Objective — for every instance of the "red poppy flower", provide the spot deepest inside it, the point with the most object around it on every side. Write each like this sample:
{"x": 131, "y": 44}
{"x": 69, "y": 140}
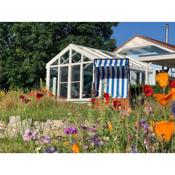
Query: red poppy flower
{"x": 172, "y": 83}
{"x": 148, "y": 90}
{"x": 24, "y": 99}
{"x": 93, "y": 100}
{"x": 106, "y": 97}
{"x": 38, "y": 95}
{"x": 116, "y": 104}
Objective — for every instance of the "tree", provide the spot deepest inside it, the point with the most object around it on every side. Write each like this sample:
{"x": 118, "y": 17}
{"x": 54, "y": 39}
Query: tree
{"x": 25, "y": 48}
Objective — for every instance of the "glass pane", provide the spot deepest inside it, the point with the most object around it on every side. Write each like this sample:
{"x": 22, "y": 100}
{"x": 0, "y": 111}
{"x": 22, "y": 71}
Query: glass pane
{"x": 55, "y": 62}
{"x": 146, "y": 50}
{"x": 64, "y": 58}
{"x": 53, "y": 79}
{"x": 76, "y": 57}
{"x": 64, "y": 74}
{"x": 75, "y": 90}
{"x": 63, "y": 90}
{"x": 87, "y": 77}
{"x": 75, "y": 73}
{"x": 86, "y": 59}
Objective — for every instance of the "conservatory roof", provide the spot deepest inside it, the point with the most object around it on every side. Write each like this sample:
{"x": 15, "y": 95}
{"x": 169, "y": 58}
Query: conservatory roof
{"x": 93, "y": 53}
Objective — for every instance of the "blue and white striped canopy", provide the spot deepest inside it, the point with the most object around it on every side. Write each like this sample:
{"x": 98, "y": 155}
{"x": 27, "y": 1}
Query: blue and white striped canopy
{"x": 111, "y": 76}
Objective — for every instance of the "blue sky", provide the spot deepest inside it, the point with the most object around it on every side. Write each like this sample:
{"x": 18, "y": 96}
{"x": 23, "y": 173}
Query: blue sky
{"x": 126, "y": 30}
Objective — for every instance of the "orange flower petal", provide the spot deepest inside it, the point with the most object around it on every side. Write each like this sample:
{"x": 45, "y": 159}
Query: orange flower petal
{"x": 75, "y": 148}
{"x": 164, "y": 99}
{"x": 162, "y": 79}
{"x": 164, "y": 130}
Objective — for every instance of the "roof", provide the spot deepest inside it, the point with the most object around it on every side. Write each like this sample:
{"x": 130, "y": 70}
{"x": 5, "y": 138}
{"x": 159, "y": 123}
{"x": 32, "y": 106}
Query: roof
{"x": 161, "y": 43}
{"x": 162, "y": 60}
{"x": 169, "y": 46}
{"x": 96, "y": 53}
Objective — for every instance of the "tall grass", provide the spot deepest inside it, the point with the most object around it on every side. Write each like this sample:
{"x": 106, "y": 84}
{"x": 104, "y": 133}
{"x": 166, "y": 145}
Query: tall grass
{"x": 126, "y": 136}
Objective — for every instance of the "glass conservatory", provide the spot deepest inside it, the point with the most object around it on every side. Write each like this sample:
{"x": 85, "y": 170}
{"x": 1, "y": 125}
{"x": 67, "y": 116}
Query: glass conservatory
{"x": 70, "y": 73}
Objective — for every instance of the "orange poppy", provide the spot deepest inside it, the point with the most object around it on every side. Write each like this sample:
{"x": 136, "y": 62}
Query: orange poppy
{"x": 173, "y": 93}
{"x": 75, "y": 148}
{"x": 164, "y": 130}
{"x": 164, "y": 99}
{"x": 110, "y": 126}
{"x": 162, "y": 79}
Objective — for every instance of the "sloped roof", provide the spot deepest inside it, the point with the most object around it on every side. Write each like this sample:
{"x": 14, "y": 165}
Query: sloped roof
{"x": 96, "y": 53}
{"x": 169, "y": 46}
{"x": 154, "y": 41}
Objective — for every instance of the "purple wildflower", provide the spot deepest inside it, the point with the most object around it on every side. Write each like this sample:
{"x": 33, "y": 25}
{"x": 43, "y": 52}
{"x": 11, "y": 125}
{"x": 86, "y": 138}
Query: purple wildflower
{"x": 143, "y": 124}
{"x": 51, "y": 150}
{"x": 93, "y": 129}
{"x": 96, "y": 141}
{"x": 45, "y": 139}
{"x": 29, "y": 135}
{"x": 70, "y": 130}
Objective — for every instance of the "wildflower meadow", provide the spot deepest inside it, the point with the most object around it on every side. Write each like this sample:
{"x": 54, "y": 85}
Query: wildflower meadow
{"x": 37, "y": 122}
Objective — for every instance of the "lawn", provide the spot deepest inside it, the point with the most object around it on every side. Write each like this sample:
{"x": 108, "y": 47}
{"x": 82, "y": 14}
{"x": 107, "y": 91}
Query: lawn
{"x": 81, "y": 128}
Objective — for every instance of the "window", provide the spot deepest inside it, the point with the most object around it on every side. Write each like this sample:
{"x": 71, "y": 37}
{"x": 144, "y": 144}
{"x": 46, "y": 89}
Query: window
{"x": 53, "y": 80}
{"x": 55, "y": 62}
{"x": 64, "y": 74}
{"x": 63, "y": 81}
{"x": 75, "y": 82}
{"x": 64, "y": 59}
{"x": 63, "y": 90}
{"x": 86, "y": 59}
{"x": 145, "y": 50}
{"x": 76, "y": 57}
{"x": 75, "y": 90}
{"x": 87, "y": 80}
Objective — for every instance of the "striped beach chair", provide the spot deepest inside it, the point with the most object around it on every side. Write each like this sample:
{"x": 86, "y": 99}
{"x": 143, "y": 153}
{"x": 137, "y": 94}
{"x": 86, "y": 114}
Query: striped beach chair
{"x": 112, "y": 76}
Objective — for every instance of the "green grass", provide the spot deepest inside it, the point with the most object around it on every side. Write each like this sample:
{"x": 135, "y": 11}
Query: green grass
{"x": 124, "y": 136}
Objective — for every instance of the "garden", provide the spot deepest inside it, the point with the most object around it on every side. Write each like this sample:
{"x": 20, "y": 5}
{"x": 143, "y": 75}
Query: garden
{"x": 37, "y": 122}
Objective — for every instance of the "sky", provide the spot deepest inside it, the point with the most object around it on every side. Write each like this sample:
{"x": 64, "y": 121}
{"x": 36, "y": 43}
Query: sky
{"x": 156, "y": 30}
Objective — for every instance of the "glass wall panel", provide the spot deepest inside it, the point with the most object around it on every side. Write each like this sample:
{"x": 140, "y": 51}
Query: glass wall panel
{"x": 75, "y": 81}
{"x": 75, "y": 90}
{"x": 63, "y": 81}
{"x": 76, "y": 57}
{"x": 65, "y": 58}
{"x": 86, "y": 59}
{"x": 63, "y": 90}
{"x": 55, "y": 62}
{"x": 75, "y": 73}
{"x": 64, "y": 74}
{"x": 53, "y": 80}
{"x": 87, "y": 80}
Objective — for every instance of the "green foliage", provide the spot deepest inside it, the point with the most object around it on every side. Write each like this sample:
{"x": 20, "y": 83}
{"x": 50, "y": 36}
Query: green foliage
{"x": 25, "y": 48}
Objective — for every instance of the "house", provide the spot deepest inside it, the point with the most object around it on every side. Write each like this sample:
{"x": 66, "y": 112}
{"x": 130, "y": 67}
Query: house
{"x": 70, "y": 73}
{"x": 148, "y": 50}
